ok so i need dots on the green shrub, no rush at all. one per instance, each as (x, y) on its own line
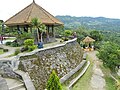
(29, 42)
(31, 48)
(65, 39)
(53, 82)
(5, 50)
(17, 51)
(15, 44)
(1, 48)
(25, 35)
(68, 33)
(8, 43)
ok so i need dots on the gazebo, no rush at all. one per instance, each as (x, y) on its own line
(22, 20)
(88, 40)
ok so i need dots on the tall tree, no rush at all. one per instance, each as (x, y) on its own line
(53, 82)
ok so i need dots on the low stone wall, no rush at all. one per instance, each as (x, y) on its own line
(39, 64)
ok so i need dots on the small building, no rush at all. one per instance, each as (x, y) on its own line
(88, 41)
(22, 20)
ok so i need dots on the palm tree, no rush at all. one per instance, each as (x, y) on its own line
(38, 26)
(42, 29)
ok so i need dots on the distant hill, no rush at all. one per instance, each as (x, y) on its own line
(98, 23)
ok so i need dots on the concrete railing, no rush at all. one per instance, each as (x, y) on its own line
(79, 76)
(72, 72)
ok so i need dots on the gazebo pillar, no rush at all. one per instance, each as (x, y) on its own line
(25, 28)
(53, 31)
(47, 32)
(18, 28)
(48, 28)
(31, 29)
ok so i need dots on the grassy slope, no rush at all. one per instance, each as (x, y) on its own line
(110, 83)
(84, 82)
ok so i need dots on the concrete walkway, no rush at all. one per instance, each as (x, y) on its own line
(11, 51)
(97, 81)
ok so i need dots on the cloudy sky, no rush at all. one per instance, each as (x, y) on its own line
(94, 8)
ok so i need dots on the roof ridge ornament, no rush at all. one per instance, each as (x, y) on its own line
(33, 1)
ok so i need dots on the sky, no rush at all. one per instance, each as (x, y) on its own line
(93, 8)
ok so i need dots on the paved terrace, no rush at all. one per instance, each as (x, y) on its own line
(11, 50)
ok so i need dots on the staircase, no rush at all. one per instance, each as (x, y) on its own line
(26, 79)
(15, 84)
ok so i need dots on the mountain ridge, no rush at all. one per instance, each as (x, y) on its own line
(97, 23)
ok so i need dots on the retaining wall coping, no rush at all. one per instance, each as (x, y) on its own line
(47, 48)
(67, 76)
(81, 74)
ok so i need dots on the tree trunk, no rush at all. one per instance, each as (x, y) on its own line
(41, 37)
(38, 35)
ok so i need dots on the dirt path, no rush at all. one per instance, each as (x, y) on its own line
(97, 81)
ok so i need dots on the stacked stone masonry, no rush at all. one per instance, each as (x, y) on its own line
(40, 64)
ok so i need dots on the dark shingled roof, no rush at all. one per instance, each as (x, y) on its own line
(32, 11)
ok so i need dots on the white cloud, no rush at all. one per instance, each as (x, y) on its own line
(95, 8)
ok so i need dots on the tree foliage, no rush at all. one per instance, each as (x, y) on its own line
(109, 53)
(68, 33)
(1, 22)
(53, 82)
(96, 35)
(111, 36)
(81, 32)
(39, 27)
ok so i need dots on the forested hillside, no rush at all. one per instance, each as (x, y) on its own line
(97, 23)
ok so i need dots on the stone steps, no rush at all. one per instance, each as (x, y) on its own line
(18, 87)
(27, 80)
(22, 88)
(15, 84)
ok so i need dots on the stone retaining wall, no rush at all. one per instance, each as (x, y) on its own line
(62, 58)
